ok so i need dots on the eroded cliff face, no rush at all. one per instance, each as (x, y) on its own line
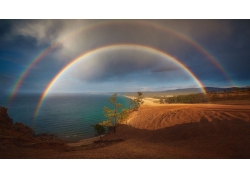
(8, 128)
(5, 120)
(18, 136)
(7, 123)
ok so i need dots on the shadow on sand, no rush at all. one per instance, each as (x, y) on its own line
(224, 138)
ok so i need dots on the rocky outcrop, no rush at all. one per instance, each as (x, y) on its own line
(22, 128)
(7, 127)
(18, 137)
(5, 120)
(7, 123)
(3, 111)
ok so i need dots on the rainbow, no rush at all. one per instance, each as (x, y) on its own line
(172, 31)
(40, 56)
(185, 38)
(107, 48)
(19, 81)
(200, 48)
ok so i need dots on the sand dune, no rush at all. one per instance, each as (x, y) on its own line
(161, 116)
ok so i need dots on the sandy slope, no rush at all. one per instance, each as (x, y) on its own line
(161, 116)
(177, 131)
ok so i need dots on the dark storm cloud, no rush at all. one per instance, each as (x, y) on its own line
(151, 33)
(5, 28)
(233, 54)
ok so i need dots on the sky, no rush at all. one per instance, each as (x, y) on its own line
(227, 41)
(87, 55)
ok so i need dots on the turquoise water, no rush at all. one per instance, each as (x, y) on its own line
(69, 116)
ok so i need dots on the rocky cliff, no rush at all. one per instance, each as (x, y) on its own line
(6, 123)
(22, 136)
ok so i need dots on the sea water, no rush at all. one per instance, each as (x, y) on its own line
(69, 116)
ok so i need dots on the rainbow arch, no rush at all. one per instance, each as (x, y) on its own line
(107, 48)
(169, 30)
(34, 61)
(23, 75)
(91, 26)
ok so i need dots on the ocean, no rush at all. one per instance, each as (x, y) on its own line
(69, 116)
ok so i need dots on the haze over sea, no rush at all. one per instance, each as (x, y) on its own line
(69, 116)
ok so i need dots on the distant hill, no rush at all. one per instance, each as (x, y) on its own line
(216, 89)
(180, 91)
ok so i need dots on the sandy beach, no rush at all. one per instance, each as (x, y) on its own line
(147, 101)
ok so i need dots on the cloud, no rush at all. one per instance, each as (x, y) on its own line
(49, 32)
(126, 69)
(77, 36)
(165, 68)
(201, 29)
(114, 65)
(41, 30)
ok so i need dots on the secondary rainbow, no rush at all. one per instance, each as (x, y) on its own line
(106, 48)
(173, 32)
(40, 56)
(19, 81)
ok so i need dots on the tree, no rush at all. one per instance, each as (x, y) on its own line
(123, 115)
(113, 114)
(109, 115)
(214, 96)
(138, 101)
(236, 91)
(131, 102)
(248, 89)
(225, 94)
(99, 129)
(161, 101)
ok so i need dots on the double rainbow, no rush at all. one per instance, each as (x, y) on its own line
(90, 27)
(106, 49)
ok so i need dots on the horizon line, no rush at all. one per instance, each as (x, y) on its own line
(222, 87)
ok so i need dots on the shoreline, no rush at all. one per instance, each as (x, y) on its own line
(129, 97)
(147, 101)
(150, 102)
(92, 139)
